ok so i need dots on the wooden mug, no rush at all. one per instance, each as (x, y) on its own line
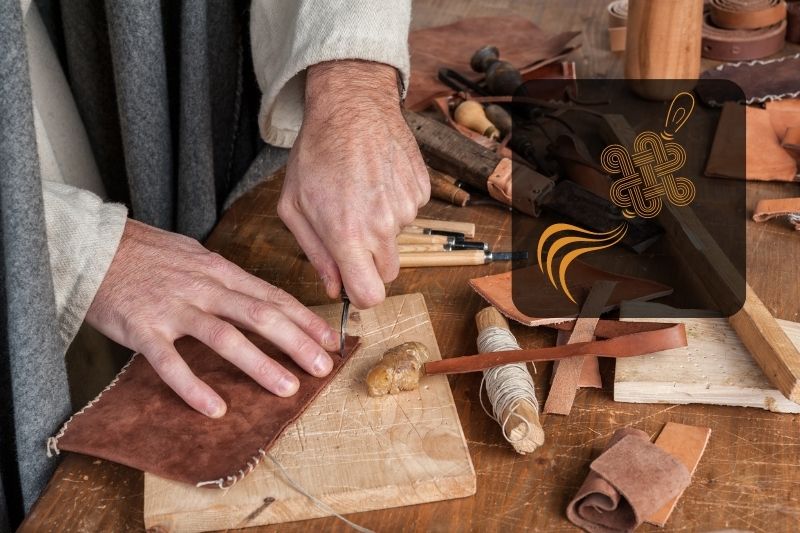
(663, 43)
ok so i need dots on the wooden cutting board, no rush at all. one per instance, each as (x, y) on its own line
(715, 368)
(353, 452)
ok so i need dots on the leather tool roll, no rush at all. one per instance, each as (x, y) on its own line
(733, 45)
(746, 14)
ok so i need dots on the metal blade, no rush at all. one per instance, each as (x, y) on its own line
(507, 256)
(343, 324)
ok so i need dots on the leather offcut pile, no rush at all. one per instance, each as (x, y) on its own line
(736, 30)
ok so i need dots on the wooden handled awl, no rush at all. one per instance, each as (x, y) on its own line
(470, 113)
(457, 258)
(421, 238)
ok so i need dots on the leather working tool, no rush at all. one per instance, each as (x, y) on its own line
(457, 258)
(738, 45)
(343, 323)
(419, 238)
(746, 14)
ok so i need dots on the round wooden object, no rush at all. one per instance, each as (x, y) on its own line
(663, 45)
(470, 114)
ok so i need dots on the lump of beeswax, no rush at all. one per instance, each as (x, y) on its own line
(398, 370)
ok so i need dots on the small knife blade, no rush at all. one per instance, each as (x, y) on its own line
(506, 256)
(343, 323)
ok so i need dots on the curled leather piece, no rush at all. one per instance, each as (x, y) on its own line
(632, 479)
(140, 422)
(736, 45)
(746, 14)
(755, 81)
(781, 207)
(617, 24)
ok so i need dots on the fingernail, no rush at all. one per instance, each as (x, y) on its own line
(330, 340)
(216, 409)
(288, 386)
(322, 365)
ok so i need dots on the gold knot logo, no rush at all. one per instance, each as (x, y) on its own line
(647, 176)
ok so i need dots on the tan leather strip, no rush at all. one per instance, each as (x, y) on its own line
(791, 139)
(617, 22)
(590, 371)
(686, 444)
(734, 45)
(499, 182)
(663, 337)
(746, 14)
(772, 208)
(567, 375)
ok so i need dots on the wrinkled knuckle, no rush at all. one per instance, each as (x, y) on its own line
(285, 208)
(278, 296)
(265, 370)
(305, 346)
(165, 362)
(217, 263)
(223, 335)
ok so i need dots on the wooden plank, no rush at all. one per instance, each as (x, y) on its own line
(755, 325)
(715, 368)
(353, 452)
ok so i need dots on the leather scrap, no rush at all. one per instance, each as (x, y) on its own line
(520, 42)
(140, 422)
(617, 25)
(566, 377)
(686, 444)
(765, 158)
(590, 371)
(793, 21)
(628, 482)
(755, 82)
(553, 306)
(779, 207)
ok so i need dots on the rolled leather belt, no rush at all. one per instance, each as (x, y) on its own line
(793, 22)
(617, 24)
(746, 14)
(732, 45)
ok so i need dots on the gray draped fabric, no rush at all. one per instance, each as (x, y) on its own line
(168, 96)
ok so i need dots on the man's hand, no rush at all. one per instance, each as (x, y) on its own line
(162, 286)
(354, 178)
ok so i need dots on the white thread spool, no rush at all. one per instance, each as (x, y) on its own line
(509, 387)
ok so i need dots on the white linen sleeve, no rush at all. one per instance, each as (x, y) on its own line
(83, 234)
(288, 36)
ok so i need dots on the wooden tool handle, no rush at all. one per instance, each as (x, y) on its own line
(413, 248)
(524, 437)
(443, 187)
(419, 238)
(467, 228)
(437, 259)
(470, 113)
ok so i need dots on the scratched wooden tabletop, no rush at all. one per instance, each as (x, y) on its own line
(748, 479)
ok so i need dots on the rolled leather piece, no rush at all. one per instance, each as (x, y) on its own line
(780, 207)
(740, 45)
(793, 22)
(746, 14)
(617, 22)
(138, 421)
(629, 481)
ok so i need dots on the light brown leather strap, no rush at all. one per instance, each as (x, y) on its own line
(746, 14)
(627, 339)
(617, 22)
(791, 139)
(733, 45)
(780, 207)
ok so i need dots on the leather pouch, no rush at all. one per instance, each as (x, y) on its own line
(520, 42)
(140, 422)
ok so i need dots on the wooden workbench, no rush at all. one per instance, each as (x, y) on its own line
(748, 479)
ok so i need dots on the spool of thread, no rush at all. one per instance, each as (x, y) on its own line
(662, 47)
(509, 388)
(470, 113)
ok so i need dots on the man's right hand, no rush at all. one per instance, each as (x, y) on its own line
(161, 286)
